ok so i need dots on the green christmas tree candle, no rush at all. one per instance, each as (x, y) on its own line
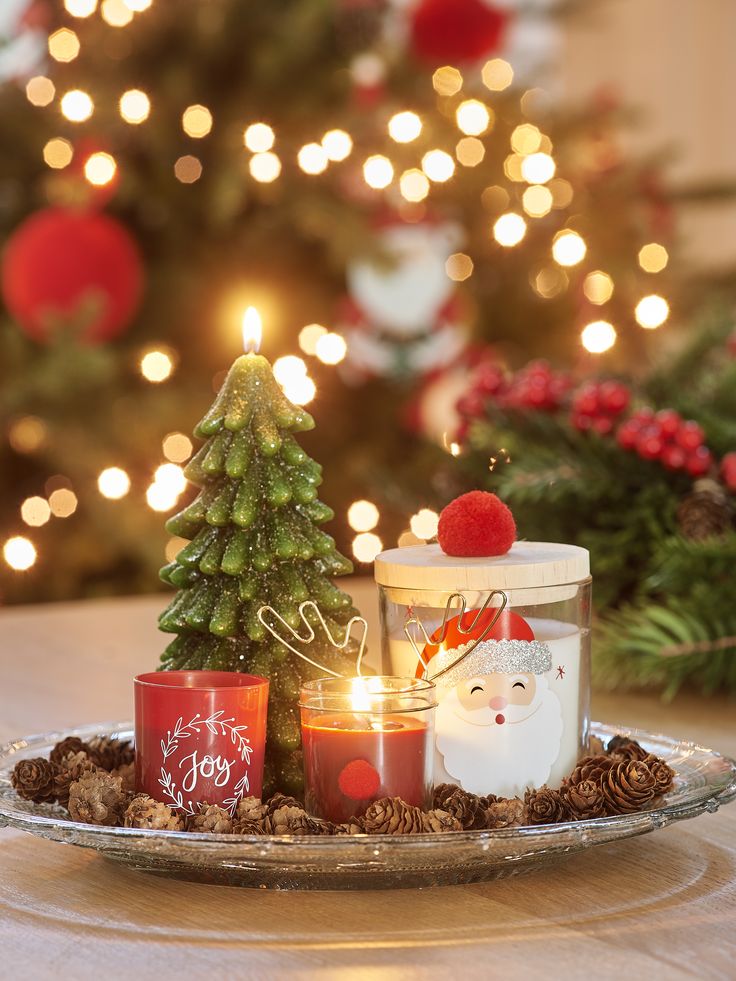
(255, 540)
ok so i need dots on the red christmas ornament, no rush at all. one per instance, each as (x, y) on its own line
(476, 524)
(58, 262)
(452, 31)
(359, 780)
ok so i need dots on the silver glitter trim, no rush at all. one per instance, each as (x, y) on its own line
(491, 657)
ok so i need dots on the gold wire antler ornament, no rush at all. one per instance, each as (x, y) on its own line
(414, 621)
(340, 645)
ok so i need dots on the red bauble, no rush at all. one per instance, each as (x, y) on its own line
(58, 261)
(359, 780)
(476, 524)
(452, 31)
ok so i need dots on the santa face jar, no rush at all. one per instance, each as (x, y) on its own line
(506, 640)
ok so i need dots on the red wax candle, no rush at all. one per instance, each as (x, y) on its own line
(353, 757)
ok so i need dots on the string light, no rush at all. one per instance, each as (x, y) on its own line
(80, 8)
(652, 311)
(331, 348)
(537, 200)
(598, 336)
(196, 121)
(470, 151)
(438, 166)
(40, 91)
(497, 74)
(19, 553)
(367, 546)
(598, 287)
(568, 248)
(63, 502)
(135, 106)
(288, 369)
(378, 171)
(312, 159)
(363, 515)
(264, 167)
(171, 477)
(58, 153)
(537, 168)
(447, 80)
(259, 137)
(404, 127)
(424, 524)
(76, 106)
(472, 117)
(113, 483)
(156, 366)
(308, 337)
(653, 257)
(509, 229)
(188, 169)
(337, 144)
(177, 447)
(116, 13)
(413, 185)
(100, 168)
(459, 267)
(35, 511)
(526, 139)
(63, 45)
(27, 434)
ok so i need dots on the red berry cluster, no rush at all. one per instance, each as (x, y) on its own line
(728, 471)
(537, 386)
(597, 405)
(679, 444)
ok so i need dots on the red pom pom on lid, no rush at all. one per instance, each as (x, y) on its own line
(476, 524)
(359, 780)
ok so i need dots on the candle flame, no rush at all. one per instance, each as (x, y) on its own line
(252, 330)
(363, 688)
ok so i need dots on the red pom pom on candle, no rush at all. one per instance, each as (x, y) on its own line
(476, 524)
(359, 780)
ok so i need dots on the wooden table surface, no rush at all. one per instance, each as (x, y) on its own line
(659, 906)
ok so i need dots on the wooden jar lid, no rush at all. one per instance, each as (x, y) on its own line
(527, 565)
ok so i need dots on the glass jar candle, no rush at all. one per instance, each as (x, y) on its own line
(366, 738)
(507, 641)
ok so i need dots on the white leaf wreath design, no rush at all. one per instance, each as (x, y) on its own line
(218, 726)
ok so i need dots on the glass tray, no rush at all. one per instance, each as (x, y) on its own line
(705, 780)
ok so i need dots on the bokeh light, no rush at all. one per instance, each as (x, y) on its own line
(156, 366)
(598, 287)
(35, 511)
(438, 166)
(404, 127)
(537, 200)
(40, 91)
(526, 139)
(424, 524)
(309, 336)
(366, 546)
(188, 169)
(300, 390)
(337, 144)
(80, 8)
(509, 229)
(497, 74)
(264, 167)
(177, 447)
(414, 185)
(63, 45)
(63, 502)
(116, 13)
(159, 497)
(19, 553)
(58, 153)
(27, 434)
(100, 168)
(447, 80)
(652, 311)
(459, 267)
(512, 167)
(171, 477)
(259, 137)
(568, 248)
(653, 257)
(135, 106)
(196, 121)
(288, 369)
(76, 106)
(538, 168)
(113, 483)
(378, 171)
(470, 151)
(562, 192)
(312, 158)
(598, 336)
(331, 348)
(363, 515)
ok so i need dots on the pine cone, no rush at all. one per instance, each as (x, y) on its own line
(145, 812)
(505, 813)
(68, 769)
(595, 746)
(442, 791)
(469, 809)
(664, 775)
(623, 748)
(437, 820)
(354, 826)
(545, 806)
(392, 816)
(34, 780)
(279, 800)
(628, 787)
(248, 826)
(706, 512)
(97, 798)
(72, 744)
(212, 820)
(584, 800)
(110, 753)
(293, 820)
(250, 810)
(590, 768)
(126, 772)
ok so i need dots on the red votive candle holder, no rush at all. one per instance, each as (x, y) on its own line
(366, 738)
(200, 736)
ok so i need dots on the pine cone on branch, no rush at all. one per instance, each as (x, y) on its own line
(628, 787)
(437, 821)
(34, 780)
(211, 819)
(72, 744)
(584, 800)
(110, 753)
(545, 806)
(706, 512)
(621, 747)
(590, 768)
(664, 775)
(145, 812)
(68, 769)
(392, 816)
(506, 812)
(97, 798)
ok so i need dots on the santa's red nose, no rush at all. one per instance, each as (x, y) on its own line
(498, 702)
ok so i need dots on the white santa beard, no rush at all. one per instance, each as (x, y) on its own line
(499, 759)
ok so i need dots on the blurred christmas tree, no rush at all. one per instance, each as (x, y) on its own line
(370, 165)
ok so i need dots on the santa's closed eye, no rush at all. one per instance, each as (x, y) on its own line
(519, 684)
(476, 688)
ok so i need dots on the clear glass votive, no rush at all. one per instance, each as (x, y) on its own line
(366, 738)
(200, 736)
